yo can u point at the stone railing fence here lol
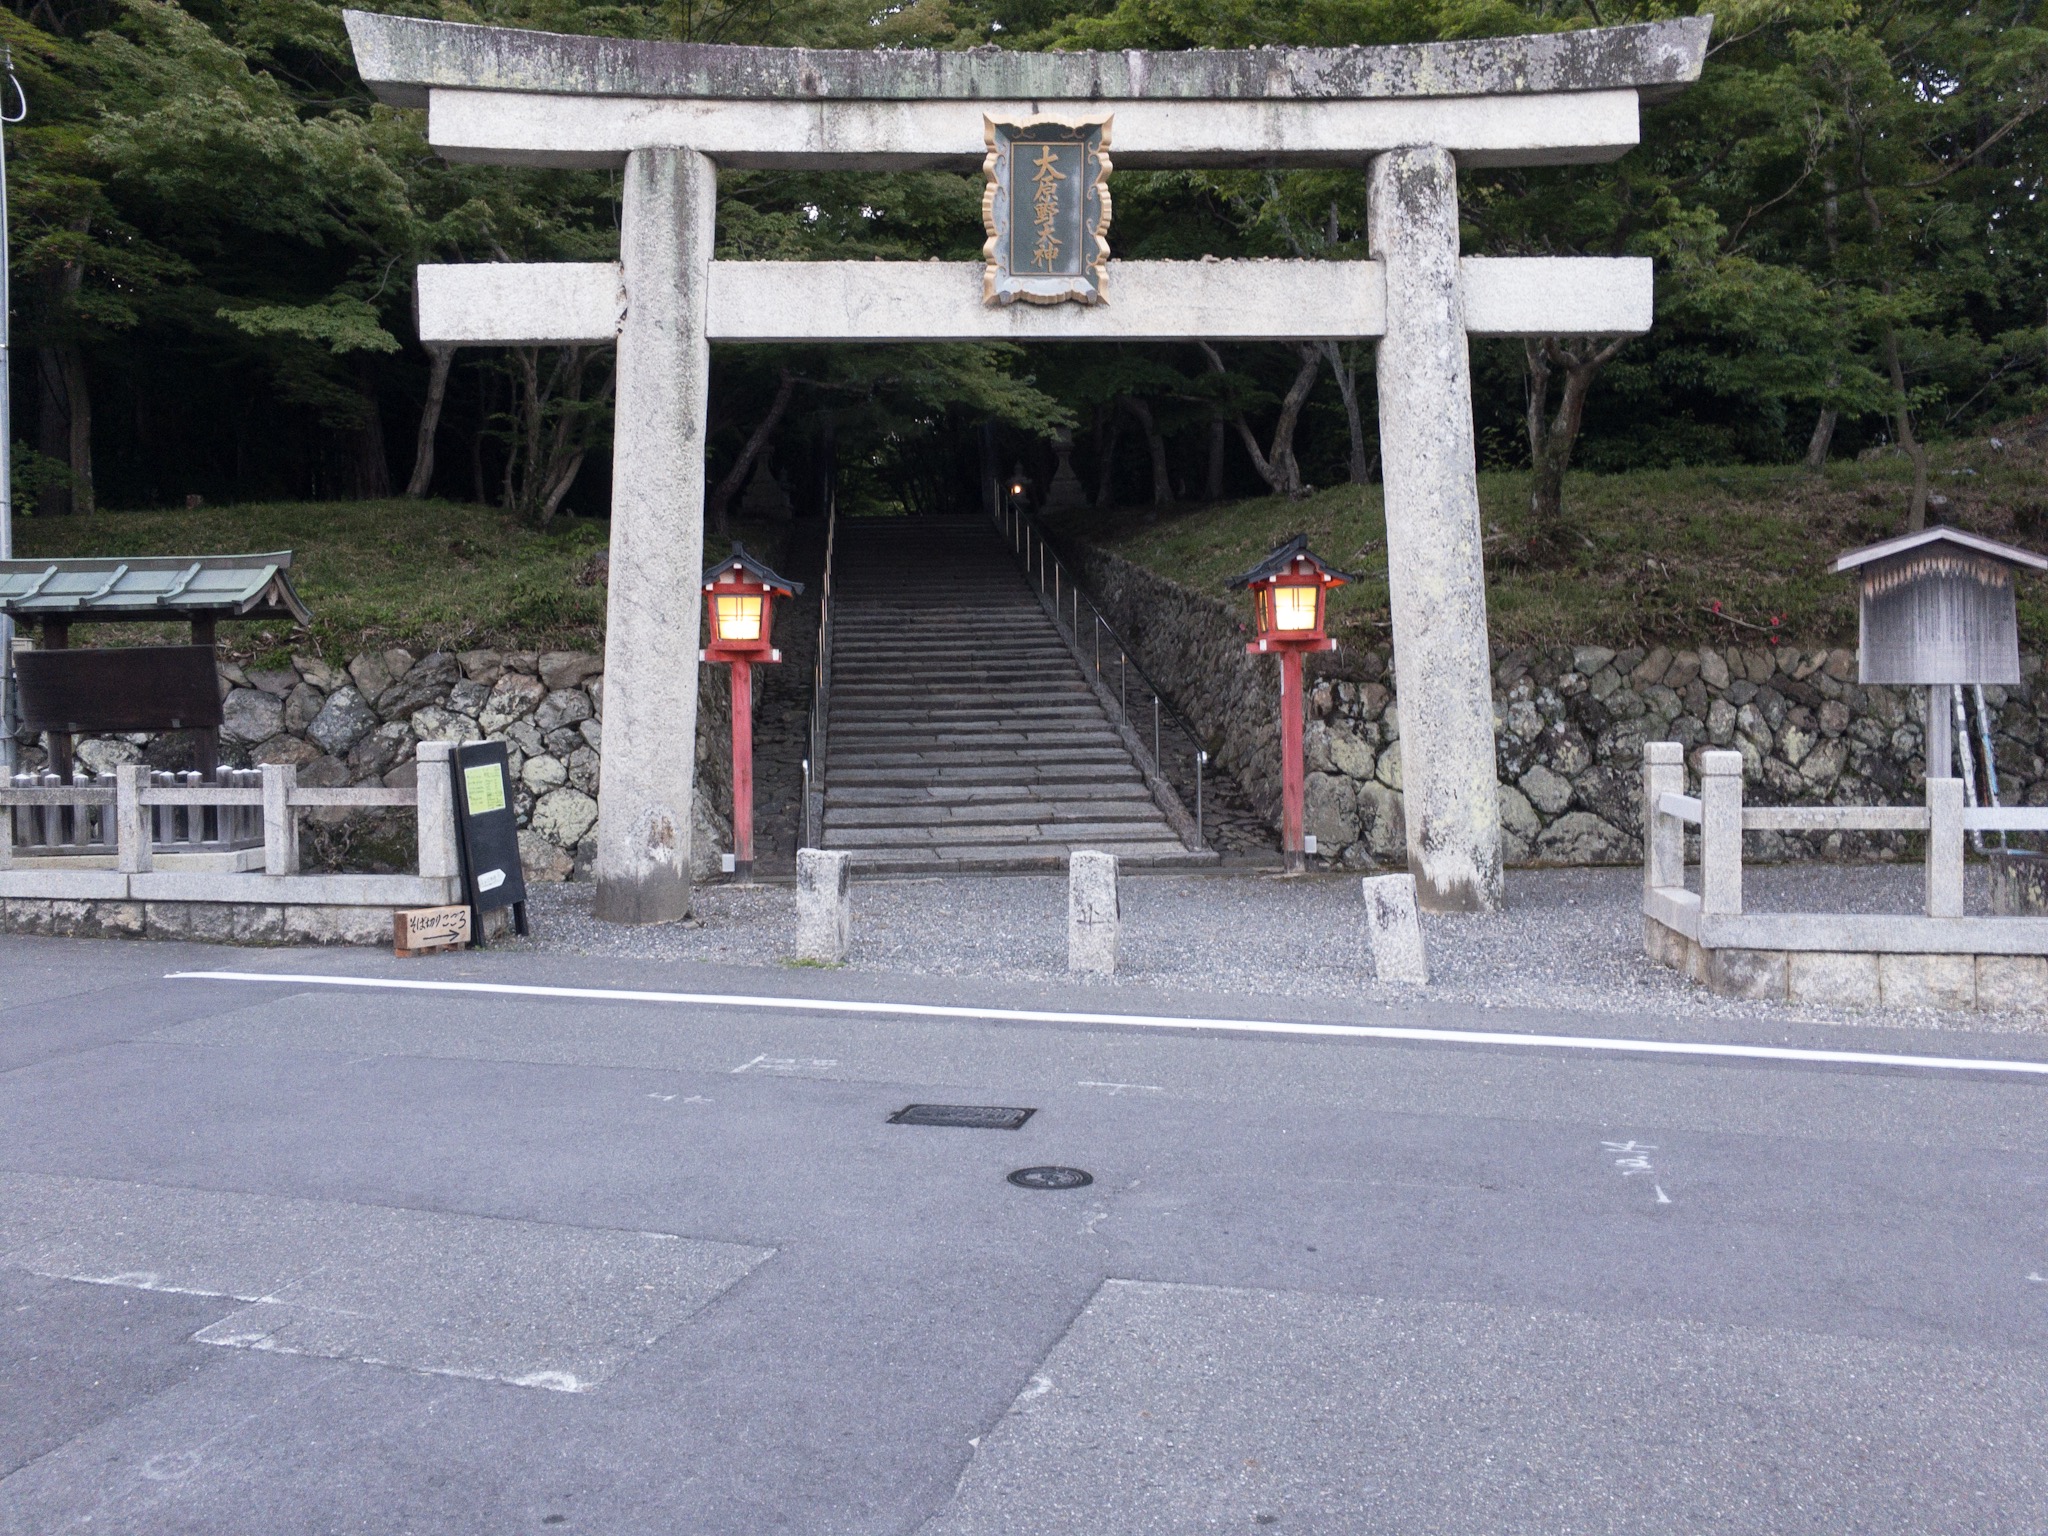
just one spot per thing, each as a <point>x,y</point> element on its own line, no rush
<point>1939,958</point>
<point>1571,723</point>
<point>361,727</point>
<point>124,879</point>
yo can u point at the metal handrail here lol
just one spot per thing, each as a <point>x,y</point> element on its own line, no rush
<point>1026,538</point>
<point>821,682</point>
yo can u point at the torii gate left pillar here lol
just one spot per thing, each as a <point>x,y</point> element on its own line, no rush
<point>652,614</point>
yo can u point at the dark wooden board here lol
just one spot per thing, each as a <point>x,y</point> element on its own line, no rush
<point>130,688</point>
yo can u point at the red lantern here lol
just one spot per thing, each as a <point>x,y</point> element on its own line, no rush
<point>739,614</point>
<point>1290,597</point>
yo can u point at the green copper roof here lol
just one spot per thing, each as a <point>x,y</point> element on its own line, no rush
<point>142,587</point>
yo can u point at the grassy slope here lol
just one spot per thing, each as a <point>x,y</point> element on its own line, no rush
<point>418,574</point>
<point>1658,550</point>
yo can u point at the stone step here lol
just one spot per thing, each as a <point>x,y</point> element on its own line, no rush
<point>1090,721</point>
<point>951,701</point>
<point>976,775</point>
<point>963,732</point>
<point>853,739</point>
<point>989,704</point>
<point>1008,813</point>
<point>1002,655</point>
<point>1063,793</point>
<point>1079,834</point>
<point>1057,753</point>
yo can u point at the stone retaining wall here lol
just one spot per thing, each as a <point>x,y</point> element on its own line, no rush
<point>1856,979</point>
<point>361,724</point>
<point>1571,723</point>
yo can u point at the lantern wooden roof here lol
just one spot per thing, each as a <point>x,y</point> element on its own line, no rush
<point>1906,544</point>
<point>745,564</point>
<point>1279,561</point>
<point>143,588</point>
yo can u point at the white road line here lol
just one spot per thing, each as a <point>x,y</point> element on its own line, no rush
<point>1703,1048</point>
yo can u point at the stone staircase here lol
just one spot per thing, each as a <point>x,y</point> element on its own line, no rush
<point>962,733</point>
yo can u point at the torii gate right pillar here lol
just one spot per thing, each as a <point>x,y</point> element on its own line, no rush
<point>1436,575</point>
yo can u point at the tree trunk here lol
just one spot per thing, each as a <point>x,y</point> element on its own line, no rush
<point>1105,472</point>
<point>729,487</point>
<point>1824,425</point>
<point>430,422</point>
<point>1155,445</point>
<point>373,462</point>
<point>1360,463</point>
<point>1902,408</point>
<point>1823,436</point>
<point>1212,484</point>
<point>53,432</point>
<point>476,442</point>
<point>1552,437</point>
<point>1277,466</point>
<point>78,407</point>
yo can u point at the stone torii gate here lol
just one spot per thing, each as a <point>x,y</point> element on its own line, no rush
<point>669,114</point>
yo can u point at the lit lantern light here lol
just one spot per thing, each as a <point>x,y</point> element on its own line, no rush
<point>1290,592</point>
<point>739,604</point>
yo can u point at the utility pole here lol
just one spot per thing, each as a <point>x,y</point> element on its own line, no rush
<point>7,714</point>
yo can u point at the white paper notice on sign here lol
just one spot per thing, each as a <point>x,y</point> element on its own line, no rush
<point>490,879</point>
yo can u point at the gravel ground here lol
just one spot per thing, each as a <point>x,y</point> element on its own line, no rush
<point>1571,939</point>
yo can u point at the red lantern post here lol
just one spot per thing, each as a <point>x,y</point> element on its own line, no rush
<point>1290,590</point>
<point>739,606</point>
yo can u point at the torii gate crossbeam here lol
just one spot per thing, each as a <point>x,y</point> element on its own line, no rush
<point>669,114</point>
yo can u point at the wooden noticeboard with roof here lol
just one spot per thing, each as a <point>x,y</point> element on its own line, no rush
<point>67,692</point>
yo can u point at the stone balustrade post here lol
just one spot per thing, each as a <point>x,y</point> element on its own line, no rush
<point>1092,914</point>
<point>435,788</point>
<point>824,905</point>
<point>1721,833</point>
<point>280,820</point>
<point>1393,932</point>
<point>1945,847</point>
<point>133,833</point>
<point>1663,836</point>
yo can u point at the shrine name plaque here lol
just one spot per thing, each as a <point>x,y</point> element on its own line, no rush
<point>1046,208</point>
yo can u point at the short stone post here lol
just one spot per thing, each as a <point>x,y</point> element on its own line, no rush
<point>824,905</point>
<point>280,821</point>
<point>132,829</point>
<point>1721,832</point>
<point>1393,931</point>
<point>652,606</point>
<point>1663,836</point>
<point>435,787</point>
<point>1092,914</point>
<point>1436,577</point>
<point>1944,847</point>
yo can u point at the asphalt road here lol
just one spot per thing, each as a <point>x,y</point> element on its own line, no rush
<point>280,1257</point>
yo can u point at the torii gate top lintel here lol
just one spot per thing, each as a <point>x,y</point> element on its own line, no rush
<point>403,58</point>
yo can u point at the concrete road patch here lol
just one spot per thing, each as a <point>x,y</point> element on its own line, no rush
<point>533,1304</point>
<point>1182,1409</point>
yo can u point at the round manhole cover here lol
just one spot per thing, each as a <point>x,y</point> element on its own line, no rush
<point>1051,1178</point>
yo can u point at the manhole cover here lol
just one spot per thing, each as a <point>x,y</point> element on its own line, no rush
<point>973,1117</point>
<point>1051,1178</point>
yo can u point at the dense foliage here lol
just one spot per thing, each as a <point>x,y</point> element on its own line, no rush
<point>215,228</point>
